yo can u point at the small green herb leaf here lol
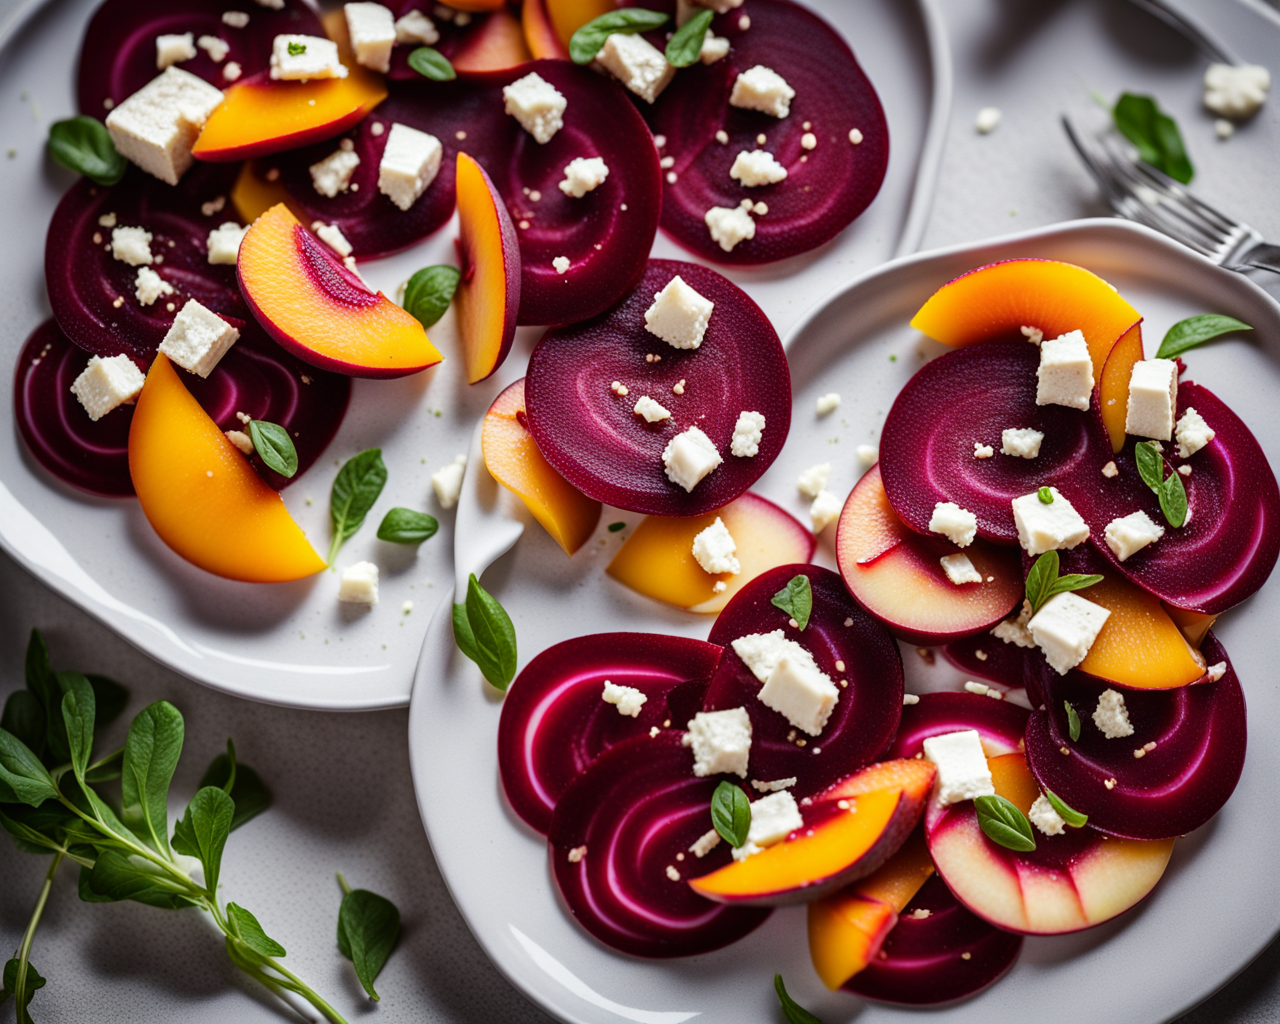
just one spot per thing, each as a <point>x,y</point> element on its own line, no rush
<point>78,713</point>
<point>24,717</point>
<point>589,39</point>
<point>1150,464</point>
<point>1169,490</point>
<point>617,527</point>
<point>731,814</point>
<point>22,989</point>
<point>1155,134</point>
<point>1045,495</point>
<point>1196,330</point>
<point>241,783</point>
<point>431,63</point>
<point>116,876</point>
<point>83,144</point>
<point>1041,578</point>
<point>484,633</point>
<point>793,1011</point>
<point>368,927</point>
<point>297,49</point>
<point>355,489</point>
<point>274,447</point>
<point>405,526</point>
<point>429,292</point>
<point>202,832</point>
<point>26,837</point>
<point>1073,721</point>
<point>22,773</point>
<point>462,634</point>
<point>796,599</point>
<point>685,46</point>
<point>150,756</point>
<point>1065,811</point>
<point>1004,824</point>
<point>1073,581</point>
<point>245,927</point>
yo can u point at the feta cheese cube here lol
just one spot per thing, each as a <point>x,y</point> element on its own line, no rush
<point>224,242</point>
<point>410,163</point>
<point>173,49</point>
<point>1065,374</point>
<point>747,434</point>
<point>713,549</point>
<point>583,175</point>
<point>156,127</point>
<point>801,693</point>
<point>536,104</point>
<point>957,524</point>
<point>1236,90</point>
<point>761,653</point>
<point>1045,818</point>
<point>721,742</point>
<point>1111,716</point>
<point>824,511</point>
<point>628,699</point>
<point>359,584</point>
<point>959,569</point>
<point>637,64</point>
<point>714,48</point>
<point>216,48</point>
<point>416,27</point>
<point>963,773</point>
<point>1129,534</point>
<point>372,29</point>
<point>333,237</point>
<point>1065,628</point>
<point>447,481</point>
<point>1193,433</point>
<point>1022,442</point>
<point>106,383</point>
<point>761,88</point>
<point>131,245</point>
<point>679,315</point>
<point>813,481</point>
<point>773,818</point>
<point>149,286</point>
<point>729,226</point>
<point>1048,527</point>
<point>301,58</point>
<point>653,412</point>
<point>1153,397</point>
<point>827,403</point>
<point>333,174</point>
<point>198,339</point>
<point>756,168</point>
<point>689,457</point>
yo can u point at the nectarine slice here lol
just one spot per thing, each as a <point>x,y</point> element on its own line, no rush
<point>488,296</point>
<point>253,195</point>
<point>201,495</point>
<point>515,462</point>
<point>1113,384</point>
<point>550,24</point>
<point>496,44</point>
<point>1140,645</point>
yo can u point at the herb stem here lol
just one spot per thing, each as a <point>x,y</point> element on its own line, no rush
<point>24,950</point>
<point>106,760</point>
<point>307,992</point>
<point>346,889</point>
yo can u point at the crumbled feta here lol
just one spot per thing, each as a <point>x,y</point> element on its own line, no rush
<point>1048,527</point>
<point>813,481</point>
<point>757,167</point>
<point>981,689</point>
<point>721,742</point>
<point>1065,374</point>
<point>1022,442</point>
<point>799,691</point>
<point>714,547</point>
<point>747,434</point>
<point>1223,128</point>
<point>224,242</point>
<point>679,315</point>
<point>963,773</point>
<point>447,481</point>
<point>173,49</point>
<point>216,48</point>
<point>959,569</point>
<point>729,226</point>
<point>131,246</point>
<point>1193,433</point>
<point>637,64</point>
<point>1032,334</point>
<point>689,457</point>
<point>868,455</point>
<point>236,19</point>
<point>561,264</point>
<point>909,698</point>
<point>1045,818</point>
<point>1127,535</point>
<point>988,120</point>
<point>719,6</point>
<point>231,71</point>
<point>653,412</point>
<point>536,104</point>
<point>1110,471</point>
<point>761,88</point>
<point>275,5</point>
<point>714,48</point>
<point>105,384</point>
<point>372,29</point>
<point>198,339</point>
<point>957,524</point>
<point>333,237</point>
<point>1236,90</point>
<point>773,787</point>
<point>1014,631</point>
<point>149,286</point>
<point>628,699</point>
<point>773,818</point>
<point>824,511</point>
<point>1065,628</point>
<point>416,27</point>
<point>305,57</point>
<point>1153,397</point>
<point>1216,671</point>
<point>761,652</point>
<point>359,584</point>
<point>333,174</point>
<point>583,175</point>
<point>982,451</point>
<point>410,162</point>
<point>1111,716</point>
<point>241,440</point>
<point>705,843</point>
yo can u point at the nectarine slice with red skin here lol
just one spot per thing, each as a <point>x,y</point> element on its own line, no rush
<point>550,24</point>
<point>995,301</point>
<point>320,311</point>
<point>657,559</point>
<point>488,296</point>
<point>897,575</point>
<point>494,45</point>
<point>202,497</point>
<point>515,462</point>
<point>1113,384</point>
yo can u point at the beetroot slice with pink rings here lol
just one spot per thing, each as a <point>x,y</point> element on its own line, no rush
<point>971,395</point>
<point>1000,723</point>
<point>923,961</point>
<point>1001,662</point>
<point>826,187</point>
<point>634,810</point>
<point>1199,734</point>
<point>555,723</point>
<point>118,56</point>
<point>1228,549</point>
<point>86,281</point>
<point>868,710</point>
<point>592,436</point>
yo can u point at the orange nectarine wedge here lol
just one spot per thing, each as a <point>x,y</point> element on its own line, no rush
<point>550,24</point>
<point>496,44</point>
<point>488,295</point>
<point>201,495</point>
<point>1113,385</point>
<point>1140,645</point>
<point>253,195</point>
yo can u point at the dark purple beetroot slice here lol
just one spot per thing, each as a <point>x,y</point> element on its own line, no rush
<point>451,35</point>
<point>86,281</point>
<point>968,396</point>
<point>592,436</point>
<point>1000,723</point>
<point>948,955</point>
<point>634,810</point>
<point>1175,787</point>
<point>825,188</point>
<point>555,725</point>
<point>118,56</point>
<point>1228,549</point>
<point>987,657</point>
<point>865,717</point>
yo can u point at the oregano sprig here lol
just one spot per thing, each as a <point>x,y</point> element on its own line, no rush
<point>1155,134</point>
<point>1073,721</point>
<point>274,447</point>
<point>83,144</point>
<point>429,291</point>
<point>1043,581</point>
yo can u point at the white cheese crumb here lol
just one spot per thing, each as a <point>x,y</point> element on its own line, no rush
<point>576,854</point>
<point>714,48</point>
<point>333,174</point>
<point>561,264</point>
<point>1045,818</point>
<point>1236,90</point>
<point>855,136</point>
<point>729,226</point>
<point>672,873</point>
<point>761,88</point>
<point>824,511</point>
<point>231,71</point>
<point>1192,434</point>
<point>982,451</point>
<point>813,481</point>
<point>987,120</point>
<point>174,49</point>
<point>963,773</point>
<point>958,525</point>
<point>959,569</point>
<point>1014,631</point>
<point>1021,442</point>
<point>721,742</point>
<point>149,286</point>
<point>757,167</point>
<point>216,48</point>
<point>1111,716</point>
<point>224,241</point>
<point>1127,535</point>
<point>132,246</point>
<point>653,412</point>
<point>105,384</point>
<point>415,27</point>
<point>868,455</point>
<point>236,19</point>
<point>537,104</point>
<point>747,434</point>
<point>359,584</point>
<point>1110,471</point>
<point>1223,128</point>
<point>628,699</point>
<point>447,481</point>
<point>583,175</point>
<point>1216,672</point>
<point>713,549</point>
<point>1032,334</point>
<point>241,440</point>
<point>705,843</point>
<point>827,403</point>
<point>689,457</point>
<point>909,698</point>
<point>619,389</point>
<point>773,787</point>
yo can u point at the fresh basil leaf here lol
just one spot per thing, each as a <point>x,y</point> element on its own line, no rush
<point>1150,464</point>
<point>731,814</point>
<point>429,292</point>
<point>617,527</point>
<point>109,697</point>
<point>116,876</point>
<point>685,46</point>
<point>27,838</point>
<point>1065,811</point>
<point>462,634</point>
<point>405,526</point>
<point>492,639</point>
<point>1073,581</point>
<point>793,1011</point>
<point>150,756</point>
<point>83,144</point>
<point>1155,135</point>
<point>588,40</point>
<point>202,832</point>
<point>796,599</point>
<point>249,932</point>
<point>22,773</point>
<point>241,783</point>
<point>24,718</point>
<point>355,489</point>
<point>431,63</point>
<point>274,447</point>
<point>1004,824</point>
<point>1173,500</point>
<point>22,985</point>
<point>1176,162</point>
<point>78,713</point>
<point>368,927</point>
<point>1040,579</point>
<point>1196,330</point>
<point>1073,721</point>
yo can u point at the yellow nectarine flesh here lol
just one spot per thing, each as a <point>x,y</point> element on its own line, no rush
<point>486,321</point>
<point>550,24</point>
<point>1013,780</point>
<point>252,195</point>
<point>496,45</point>
<point>1113,386</point>
<point>1140,645</point>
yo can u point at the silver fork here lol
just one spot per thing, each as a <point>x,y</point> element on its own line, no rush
<point>1139,192</point>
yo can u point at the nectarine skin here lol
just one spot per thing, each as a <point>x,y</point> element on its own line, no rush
<point>1113,384</point>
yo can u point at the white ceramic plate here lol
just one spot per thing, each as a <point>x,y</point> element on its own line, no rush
<point>292,643</point>
<point>1219,903</point>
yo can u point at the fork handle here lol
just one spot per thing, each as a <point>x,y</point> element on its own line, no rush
<point>1264,256</point>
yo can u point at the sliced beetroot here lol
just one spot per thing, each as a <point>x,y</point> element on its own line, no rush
<point>867,713</point>
<point>1229,547</point>
<point>987,657</point>
<point>453,37</point>
<point>968,396</point>
<point>118,56</point>
<point>592,436</point>
<point>826,187</point>
<point>93,294</point>
<point>999,723</point>
<point>555,723</point>
<point>614,842</point>
<point>1198,734</point>
<point>939,957</point>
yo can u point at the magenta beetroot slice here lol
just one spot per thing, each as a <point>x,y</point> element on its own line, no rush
<point>1000,723</point>
<point>826,187</point>
<point>947,955</point>
<point>614,842</point>
<point>93,294</point>
<point>986,657</point>
<point>970,396</point>
<point>592,436</point>
<point>555,723</point>
<point>1198,732</point>
<point>1229,547</point>
<point>866,715</point>
<point>118,56</point>
<point>453,37</point>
